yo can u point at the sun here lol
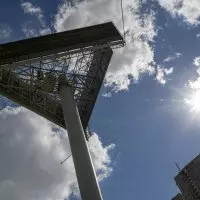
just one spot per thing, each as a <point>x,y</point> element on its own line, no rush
<point>194,101</point>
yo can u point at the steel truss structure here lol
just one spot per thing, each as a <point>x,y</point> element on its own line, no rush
<point>32,79</point>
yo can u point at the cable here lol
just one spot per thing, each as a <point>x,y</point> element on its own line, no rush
<point>122,17</point>
<point>65,159</point>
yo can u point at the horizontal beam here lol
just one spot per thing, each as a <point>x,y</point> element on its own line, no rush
<point>74,40</point>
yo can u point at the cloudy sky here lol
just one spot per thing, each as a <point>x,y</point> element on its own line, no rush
<point>147,116</point>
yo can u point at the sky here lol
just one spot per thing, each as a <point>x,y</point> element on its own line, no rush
<point>147,115</point>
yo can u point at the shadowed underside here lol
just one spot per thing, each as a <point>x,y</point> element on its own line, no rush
<point>30,69</point>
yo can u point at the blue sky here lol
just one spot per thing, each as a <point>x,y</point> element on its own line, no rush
<point>147,116</point>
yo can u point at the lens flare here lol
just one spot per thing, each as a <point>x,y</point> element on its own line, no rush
<point>194,102</point>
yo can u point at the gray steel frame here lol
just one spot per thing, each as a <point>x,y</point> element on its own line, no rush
<point>26,81</point>
<point>85,72</point>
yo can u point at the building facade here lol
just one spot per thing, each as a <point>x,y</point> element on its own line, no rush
<point>188,180</point>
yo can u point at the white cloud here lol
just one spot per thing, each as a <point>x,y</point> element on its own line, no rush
<point>28,30</point>
<point>107,94</point>
<point>5,31</point>
<point>100,156</point>
<point>127,63</point>
<point>196,61</point>
<point>188,9</point>
<point>171,58</point>
<point>196,83</point>
<point>30,155</point>
<point>168,71</point>
<point>45,31</point>
<point>29,8</point>
<point>177,54</point>
<point>198,35</point>
<point>162,73</point>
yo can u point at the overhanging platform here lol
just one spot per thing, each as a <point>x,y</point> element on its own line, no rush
<point>30,69</point>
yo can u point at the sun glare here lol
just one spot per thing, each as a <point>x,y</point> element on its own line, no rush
<point>194,102</point>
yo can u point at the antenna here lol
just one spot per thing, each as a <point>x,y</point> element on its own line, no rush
<point>122,12</point>
<point>179,169</point>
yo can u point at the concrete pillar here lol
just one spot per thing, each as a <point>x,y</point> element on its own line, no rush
<point>85,173</point>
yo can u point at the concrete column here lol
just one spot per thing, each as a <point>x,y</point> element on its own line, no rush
<point>85,173</point>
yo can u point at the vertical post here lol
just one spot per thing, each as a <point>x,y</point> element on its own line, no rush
<point>85,173</point>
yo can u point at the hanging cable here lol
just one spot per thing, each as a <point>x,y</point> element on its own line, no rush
<point>122,11</point>
<point>65,159</point>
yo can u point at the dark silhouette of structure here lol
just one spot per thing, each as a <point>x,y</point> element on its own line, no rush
<point>188,180</point>
<point>59,77</point>
<point>178,197</point>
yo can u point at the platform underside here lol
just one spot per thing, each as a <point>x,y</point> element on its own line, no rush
<point>85,73</point>
<point>30,77</point>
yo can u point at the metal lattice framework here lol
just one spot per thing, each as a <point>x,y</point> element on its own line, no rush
<point>34,81</point>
